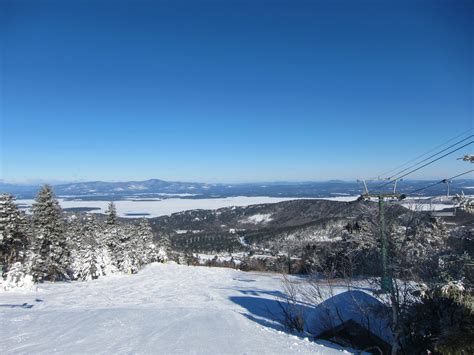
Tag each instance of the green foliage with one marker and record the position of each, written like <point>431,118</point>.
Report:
<point>13,233</point>
<point>49,240</point>
<point>443,321</point>
<point>111,214</point>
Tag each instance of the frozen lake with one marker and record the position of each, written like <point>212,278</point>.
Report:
<point>150,208</point>
<point>163,207</point>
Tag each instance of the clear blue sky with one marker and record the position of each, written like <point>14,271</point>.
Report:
<point>231,90</point>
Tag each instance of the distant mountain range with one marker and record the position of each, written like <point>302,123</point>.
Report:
<point>100,190</point>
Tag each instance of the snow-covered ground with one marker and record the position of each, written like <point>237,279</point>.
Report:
<point>165,309</point>
<point>429,203</point>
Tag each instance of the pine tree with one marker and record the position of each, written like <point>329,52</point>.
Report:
<point>90,254</point>
<point>144,243</point>
<point>129,250</point>
<point>17,277</point>
<point>49,236</point>
<point>13,232</point>
<point>111,240</point>
<point>80,247</point>
<point>89,267</point>
<point>111,214</point>
<point>164,247</point>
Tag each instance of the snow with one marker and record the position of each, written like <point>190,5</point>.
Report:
<point>184,231</point>
<point>166,309</point>
<point>426,206</point>
<point>259,218</point>
<point>428,203</point>
<point>243,241</point>
<point>17,279</point>
<point>340,198</point>
<point>137,187</point>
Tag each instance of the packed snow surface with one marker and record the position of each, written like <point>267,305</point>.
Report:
<point>165,308</point>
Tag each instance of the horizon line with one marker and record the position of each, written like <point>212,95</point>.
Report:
<point>56,182</point>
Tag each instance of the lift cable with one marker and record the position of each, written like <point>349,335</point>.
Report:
<point>426,164</point>
<point>441,182</point>
<point>431,156</point>
<point>420,156</point>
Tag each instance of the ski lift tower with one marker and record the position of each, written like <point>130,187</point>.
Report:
<point>467,157</point>
<point>386,281</point>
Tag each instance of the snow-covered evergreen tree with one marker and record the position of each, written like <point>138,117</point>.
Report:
<point>89,268</point>
<point>164,247</point>
<point>13,232</point>
<point>72,245</point>
<point>91,257</point>
<point>33,264</point>
<point>128,250</point>
<point>147,251</point>
<point>17,277</point>
<point>111,214</point>
<point>82,265</point>
<point>49,240</point>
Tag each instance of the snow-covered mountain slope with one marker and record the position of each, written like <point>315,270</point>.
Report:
<point>166,309</point>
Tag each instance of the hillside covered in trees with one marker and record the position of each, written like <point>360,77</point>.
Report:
<point>52,245</point>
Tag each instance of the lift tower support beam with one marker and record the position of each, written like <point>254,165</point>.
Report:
<point>386,280</point>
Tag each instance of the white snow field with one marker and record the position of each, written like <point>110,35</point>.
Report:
<point>164,309</point>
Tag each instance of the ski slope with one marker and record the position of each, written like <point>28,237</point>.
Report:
<point>165,308</point>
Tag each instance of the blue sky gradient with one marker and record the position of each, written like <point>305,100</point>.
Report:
<point>232,90</point>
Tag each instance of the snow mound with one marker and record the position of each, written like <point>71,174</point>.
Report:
<point>17,280</point>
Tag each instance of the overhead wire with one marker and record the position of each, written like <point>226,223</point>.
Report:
<point>428,163</point>
<point>420,156</point>
<point>431,156</point>
<point>441,182</point>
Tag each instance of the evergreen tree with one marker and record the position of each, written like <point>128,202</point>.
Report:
<point>49,236</point>
<point>111,240</point>
<point>144,243</point>
<point>129,250</point>
<point>13,233</point>
<point>90,254</point>
<point>17,277</point>
<point>111,214</point>
<point>164,247</point>
<point>105,246</point>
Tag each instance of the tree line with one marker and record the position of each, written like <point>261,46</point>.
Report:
<point>52,245</point>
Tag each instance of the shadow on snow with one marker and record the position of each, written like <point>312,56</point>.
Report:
<point>354,305</point>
